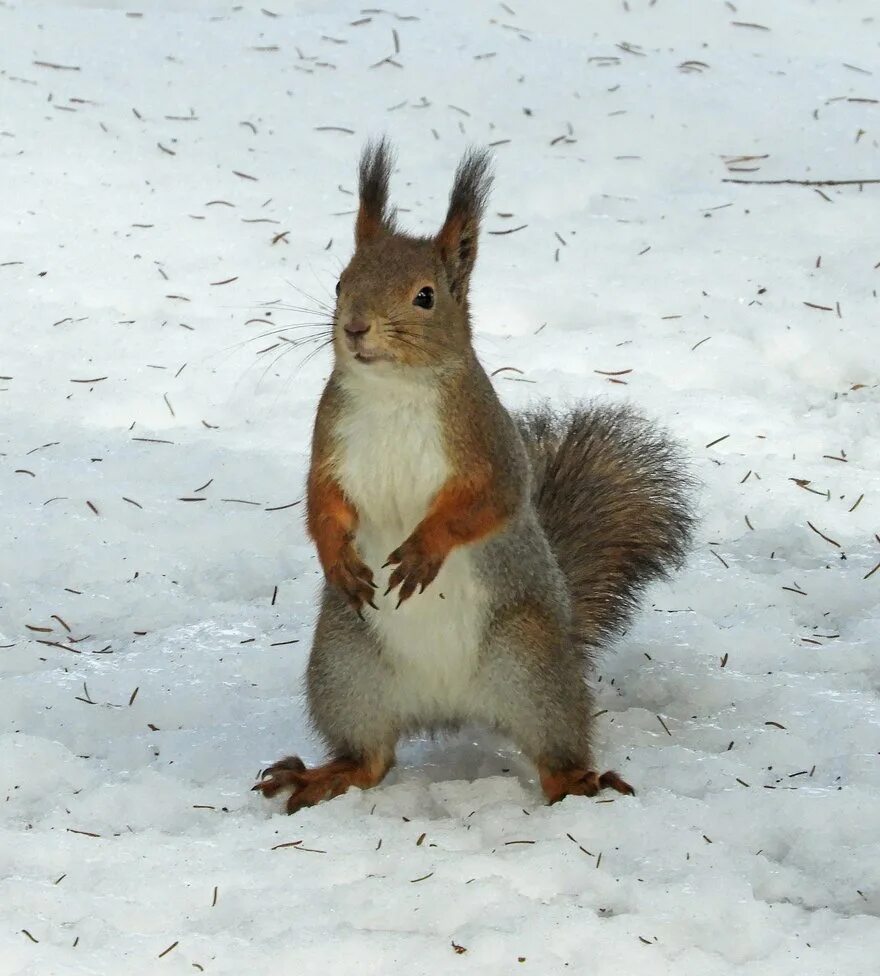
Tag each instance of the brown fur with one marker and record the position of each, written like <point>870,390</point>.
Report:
<point>566,518</point>
<point>612,494</point>
<point>374,175</point>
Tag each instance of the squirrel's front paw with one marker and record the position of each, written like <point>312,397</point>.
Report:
<point>352,577</point>
<point>416,566</point>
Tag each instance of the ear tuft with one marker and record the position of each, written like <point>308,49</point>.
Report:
<point>457,240</point>
<point>374,175</point>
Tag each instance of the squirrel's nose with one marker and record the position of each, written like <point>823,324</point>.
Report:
<point>356,327</point>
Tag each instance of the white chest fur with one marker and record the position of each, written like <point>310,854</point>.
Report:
<point>392,463</point>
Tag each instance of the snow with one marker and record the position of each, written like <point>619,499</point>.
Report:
<point>153,647</point>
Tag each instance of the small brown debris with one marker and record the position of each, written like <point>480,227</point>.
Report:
<point>822,534</point>
<point>57,67</point>
<point>279,508</point>
<point>506,369</point>
<point>512,230</point>
<point>718,440</point>
<point>720,559</point>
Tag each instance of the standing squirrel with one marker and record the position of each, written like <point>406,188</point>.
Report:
<point>474,560</point>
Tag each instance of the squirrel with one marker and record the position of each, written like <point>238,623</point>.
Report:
<point>474,560</point>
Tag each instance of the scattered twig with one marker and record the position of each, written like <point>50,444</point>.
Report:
<point>805,182</point>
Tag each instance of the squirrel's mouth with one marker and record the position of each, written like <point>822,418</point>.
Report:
<point>365,353</point>
<point>371,356</point>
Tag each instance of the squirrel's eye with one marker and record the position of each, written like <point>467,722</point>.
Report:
<point>425,298</point>
<point>338,287</point>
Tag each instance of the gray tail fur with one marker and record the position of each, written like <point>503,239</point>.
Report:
<point>613,495</point>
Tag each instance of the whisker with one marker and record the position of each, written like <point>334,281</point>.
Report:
<point>288,307</point>
<point>408,339</point>
<point>428,340</point>
<point>289,328</point>
<point>321,330</point>
<point>311,298</point>
<point>302,341</point>
<point>321,283</point>
<point>314,352</point>
<point>290,346</point>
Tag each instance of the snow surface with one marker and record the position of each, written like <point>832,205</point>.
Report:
<point>153,645</point>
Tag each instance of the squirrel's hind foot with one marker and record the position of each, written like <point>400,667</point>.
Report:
<point>580,782</point>
<point>311,786</point>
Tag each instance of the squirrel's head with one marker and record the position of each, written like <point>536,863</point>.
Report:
<point>403,300</point>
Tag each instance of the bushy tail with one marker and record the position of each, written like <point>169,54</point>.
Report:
<point>613,496</point>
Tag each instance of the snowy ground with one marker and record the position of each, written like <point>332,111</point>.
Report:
<point>162,175</point>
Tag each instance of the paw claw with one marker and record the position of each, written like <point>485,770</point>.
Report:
<point>581,782</point>
<point>416,567</point>
<point>310,786</point>
<point>353,578</point>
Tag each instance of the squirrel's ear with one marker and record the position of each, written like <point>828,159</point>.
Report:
<point>374,173</point>
<point>457,240</point>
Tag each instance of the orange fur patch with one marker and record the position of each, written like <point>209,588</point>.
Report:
<point>450,235</point>
<point>368,224</point>
<point>462,512</point>
<point>332,518</point>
